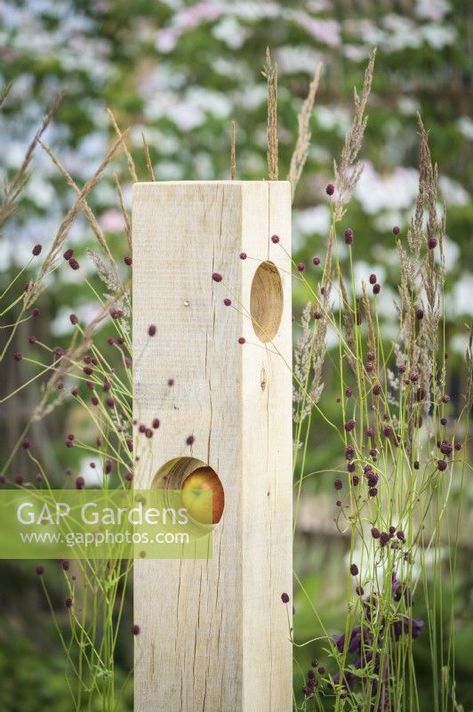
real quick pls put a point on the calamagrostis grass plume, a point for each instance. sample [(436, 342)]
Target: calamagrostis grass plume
[(301, 149), (348, 169), (15, 186), (63, 230)]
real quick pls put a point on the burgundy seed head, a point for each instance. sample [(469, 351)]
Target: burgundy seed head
[(413, 376), (242, 340), (128, 260), (94, 400), (441, 465), (360, 590), (275, 239), (39, 570), (349, 452), (419, 314), (316, 261), (108, 467), (151, 330), (338, 484), (416, 464), (355, 480), (135, 629), (68, 254), (18, 356), (74, 319), (68, 602), (19, 479), (32, 340), (446, 398), (110, 401), (171, 382), (373, 279), (190, 440), (376, 288), (396, 230), (458, 446), (155, 423), (383, 538), (35, 312), (243, 255), (285, 597), (351, 467), (392, 530), (317, 314), (375, 532), (26, 444), (387, 430), (149, 433), (432, 243), (301, 267), (348, 236), (376, 389), (142, 428), (73, 263), (36, 250), (350, 425), (443, 421), (80, 483), (348, 391), (330, 189), (227, 302), (372, 491), (400, 535), (217, 277), (354, 570)]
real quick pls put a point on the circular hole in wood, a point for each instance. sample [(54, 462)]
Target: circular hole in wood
[(266, 301), (196, 479)]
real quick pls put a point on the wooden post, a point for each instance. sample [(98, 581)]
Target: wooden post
[(214, 635)]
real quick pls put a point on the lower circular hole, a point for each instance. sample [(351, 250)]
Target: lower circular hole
[(196, 479), (266, 301)]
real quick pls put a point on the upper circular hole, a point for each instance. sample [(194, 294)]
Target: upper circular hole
[(266, 301)]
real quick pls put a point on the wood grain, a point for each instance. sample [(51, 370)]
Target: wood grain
[(214, 634)]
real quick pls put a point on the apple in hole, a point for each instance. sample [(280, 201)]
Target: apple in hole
[(195, 496)]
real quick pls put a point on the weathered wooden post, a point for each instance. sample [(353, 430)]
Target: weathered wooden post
[(214, 633)]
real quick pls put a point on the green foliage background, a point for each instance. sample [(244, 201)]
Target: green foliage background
[(180, 72)]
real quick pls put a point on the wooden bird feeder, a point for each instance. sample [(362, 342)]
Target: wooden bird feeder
[(214, 634)]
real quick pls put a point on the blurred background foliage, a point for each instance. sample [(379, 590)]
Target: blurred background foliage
[(180, 72)]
